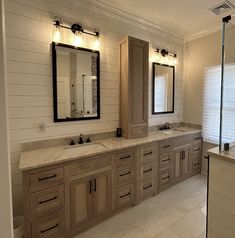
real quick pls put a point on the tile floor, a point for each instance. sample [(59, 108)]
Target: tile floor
[(175, 213)]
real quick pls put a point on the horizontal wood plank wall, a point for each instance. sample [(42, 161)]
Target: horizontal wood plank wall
[(29, 30)]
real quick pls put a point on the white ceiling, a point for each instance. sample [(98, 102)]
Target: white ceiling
[(189, 18)]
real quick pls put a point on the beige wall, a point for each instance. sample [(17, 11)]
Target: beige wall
[(198, 55), (5, 181), (29, 28)]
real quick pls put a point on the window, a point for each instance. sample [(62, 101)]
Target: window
[(211, 104)]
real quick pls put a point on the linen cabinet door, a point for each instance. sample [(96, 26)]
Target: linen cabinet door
[(185, 162), (177, 164), (80, 201), (102, 193)]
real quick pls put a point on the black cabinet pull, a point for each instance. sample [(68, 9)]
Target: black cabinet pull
[(49, 177), (149, 153), (196, 149), (165, 160), (206, 156), (149, 186), (125, 157), (90, 182), (196, 164), (48, 200), (182, 155), (148, 170), (48, 229), (166, 146), (125, 195), (94, 185), (121, 175), (197, 138), (164, 178)]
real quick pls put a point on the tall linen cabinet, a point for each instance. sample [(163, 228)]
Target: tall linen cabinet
[(134, 55)]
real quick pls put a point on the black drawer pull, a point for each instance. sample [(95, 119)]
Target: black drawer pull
[(49, 177), (149, 186), (125, 157), (197, 138), (95, 185), (164, 178), (90, 183), (165, 160), (48, 229), (149, 153), (196, 149), (121, 175), (196, 164), (149, 170), (48, 200), (125, 195), (166, 146)]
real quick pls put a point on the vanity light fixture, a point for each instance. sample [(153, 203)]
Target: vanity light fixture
[(163, 56), (78, 32)]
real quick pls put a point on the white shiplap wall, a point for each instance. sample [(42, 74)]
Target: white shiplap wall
[(30, 92)]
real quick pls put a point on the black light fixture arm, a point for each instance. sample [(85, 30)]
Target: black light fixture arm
[(76, 27), (165, 52)]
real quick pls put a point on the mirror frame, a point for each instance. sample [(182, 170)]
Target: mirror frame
[(54, 74), (173, 91)]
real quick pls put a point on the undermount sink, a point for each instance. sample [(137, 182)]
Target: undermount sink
[(86, 147), (172, 131)]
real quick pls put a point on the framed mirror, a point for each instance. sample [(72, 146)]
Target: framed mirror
[(76, 83), (163, 88)]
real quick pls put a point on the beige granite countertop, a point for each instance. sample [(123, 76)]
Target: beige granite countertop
[(224, 154), (58, 154)]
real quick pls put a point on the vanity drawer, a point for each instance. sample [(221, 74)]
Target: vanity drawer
[(90, 165), (52, 226), (125, 195), (165, 146), (146, 188), (196, 164), (147, 154), (182, 140), (165, 179), (46, 179), (146, 171), (125, 174), (165, 160), (138, 131), (124, 158), (196, 149), (47, 200), (197, 138)]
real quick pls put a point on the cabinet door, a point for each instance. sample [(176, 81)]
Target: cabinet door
[(102, 193), (185, 162), (177, 164), (80, 201)]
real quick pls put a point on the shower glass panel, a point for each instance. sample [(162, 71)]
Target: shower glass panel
[(227, 110)]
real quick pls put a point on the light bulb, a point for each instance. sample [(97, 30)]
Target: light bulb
[(96, 44), (56, 34), (78, 38)]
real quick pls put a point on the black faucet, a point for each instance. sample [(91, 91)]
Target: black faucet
[(81, 139)]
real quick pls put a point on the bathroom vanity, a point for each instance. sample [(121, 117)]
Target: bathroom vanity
[(68, 189)]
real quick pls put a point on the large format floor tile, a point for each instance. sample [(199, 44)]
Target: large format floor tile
[(175, 213)]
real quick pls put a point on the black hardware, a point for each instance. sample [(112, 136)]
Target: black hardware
[(196, 149), (125, 157), (121, 175), (48, 200), (125, 195), (149, 153), (196, 164), (119, 132), (90, 183), (206, 156), (197, 138), (48, 229), (226, 146), (149, 186), (227, 18), (165, 160), (72, 142), (166, 146), (80, 140), (49, 177), (149, 170), (88, 140), (183, 155), (165, 177), (94, 185)]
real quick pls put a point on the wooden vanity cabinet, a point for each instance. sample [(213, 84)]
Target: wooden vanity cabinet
[(134, 69)]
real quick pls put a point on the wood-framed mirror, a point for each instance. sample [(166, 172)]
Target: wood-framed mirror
[(163, 96), (76, 83)]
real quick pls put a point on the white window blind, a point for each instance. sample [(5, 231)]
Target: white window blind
[(211, 104)]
